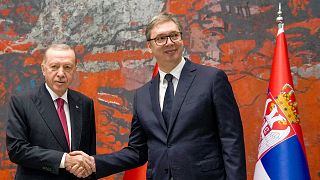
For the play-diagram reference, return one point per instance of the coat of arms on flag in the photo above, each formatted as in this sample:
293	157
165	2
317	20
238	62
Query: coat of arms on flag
280	112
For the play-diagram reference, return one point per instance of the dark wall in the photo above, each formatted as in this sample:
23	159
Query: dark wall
108	35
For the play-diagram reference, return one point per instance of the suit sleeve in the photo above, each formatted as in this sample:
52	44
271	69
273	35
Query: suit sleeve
134	155
230	128
20	150
92	146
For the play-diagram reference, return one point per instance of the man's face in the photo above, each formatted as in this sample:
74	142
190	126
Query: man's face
171	52
58	69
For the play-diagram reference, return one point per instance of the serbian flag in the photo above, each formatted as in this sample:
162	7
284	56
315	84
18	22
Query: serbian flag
139	173
282	154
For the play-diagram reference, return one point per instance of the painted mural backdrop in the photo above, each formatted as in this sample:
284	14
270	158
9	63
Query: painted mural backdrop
108	36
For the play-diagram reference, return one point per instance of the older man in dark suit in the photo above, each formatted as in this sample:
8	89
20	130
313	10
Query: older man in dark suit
48	123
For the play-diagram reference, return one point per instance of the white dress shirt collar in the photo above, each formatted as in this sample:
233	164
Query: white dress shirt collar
54	96
176	72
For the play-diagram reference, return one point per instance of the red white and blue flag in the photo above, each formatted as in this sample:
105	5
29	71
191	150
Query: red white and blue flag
282	154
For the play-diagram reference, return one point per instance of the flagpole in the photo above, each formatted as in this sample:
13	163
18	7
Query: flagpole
279	19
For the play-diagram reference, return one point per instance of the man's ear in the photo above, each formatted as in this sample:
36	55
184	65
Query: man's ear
148	46
42	69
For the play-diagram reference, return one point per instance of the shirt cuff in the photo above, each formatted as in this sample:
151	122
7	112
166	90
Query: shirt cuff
63	160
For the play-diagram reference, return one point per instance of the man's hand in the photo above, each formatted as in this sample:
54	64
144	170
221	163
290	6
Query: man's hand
80	164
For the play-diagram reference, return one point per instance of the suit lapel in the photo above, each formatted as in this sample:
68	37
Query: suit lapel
185	81
75	108
46	108
154	95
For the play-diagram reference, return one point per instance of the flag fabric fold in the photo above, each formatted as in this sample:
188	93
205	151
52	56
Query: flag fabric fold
281	152
139	173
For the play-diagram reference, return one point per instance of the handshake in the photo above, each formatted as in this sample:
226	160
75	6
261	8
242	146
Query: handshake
80	164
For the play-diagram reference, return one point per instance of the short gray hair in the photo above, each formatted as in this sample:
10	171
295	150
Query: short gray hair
61	47
162	17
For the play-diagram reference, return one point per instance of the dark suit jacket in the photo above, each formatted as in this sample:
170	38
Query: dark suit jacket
35	137
204	140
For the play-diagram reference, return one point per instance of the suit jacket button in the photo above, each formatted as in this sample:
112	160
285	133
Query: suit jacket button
169	145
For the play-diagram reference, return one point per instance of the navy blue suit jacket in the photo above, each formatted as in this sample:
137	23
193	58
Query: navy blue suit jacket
204	139
35	137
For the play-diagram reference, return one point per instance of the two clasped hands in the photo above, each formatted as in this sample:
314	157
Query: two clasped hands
80	164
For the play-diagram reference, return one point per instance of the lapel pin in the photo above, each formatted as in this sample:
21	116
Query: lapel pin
77	107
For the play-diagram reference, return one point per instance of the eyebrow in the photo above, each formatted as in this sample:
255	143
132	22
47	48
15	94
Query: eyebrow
167	34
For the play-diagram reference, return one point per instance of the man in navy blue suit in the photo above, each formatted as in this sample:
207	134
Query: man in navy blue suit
186	122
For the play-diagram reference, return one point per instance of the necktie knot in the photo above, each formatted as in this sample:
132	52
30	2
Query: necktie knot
168	77
60	102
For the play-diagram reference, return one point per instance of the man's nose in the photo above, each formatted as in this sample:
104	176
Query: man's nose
60	72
